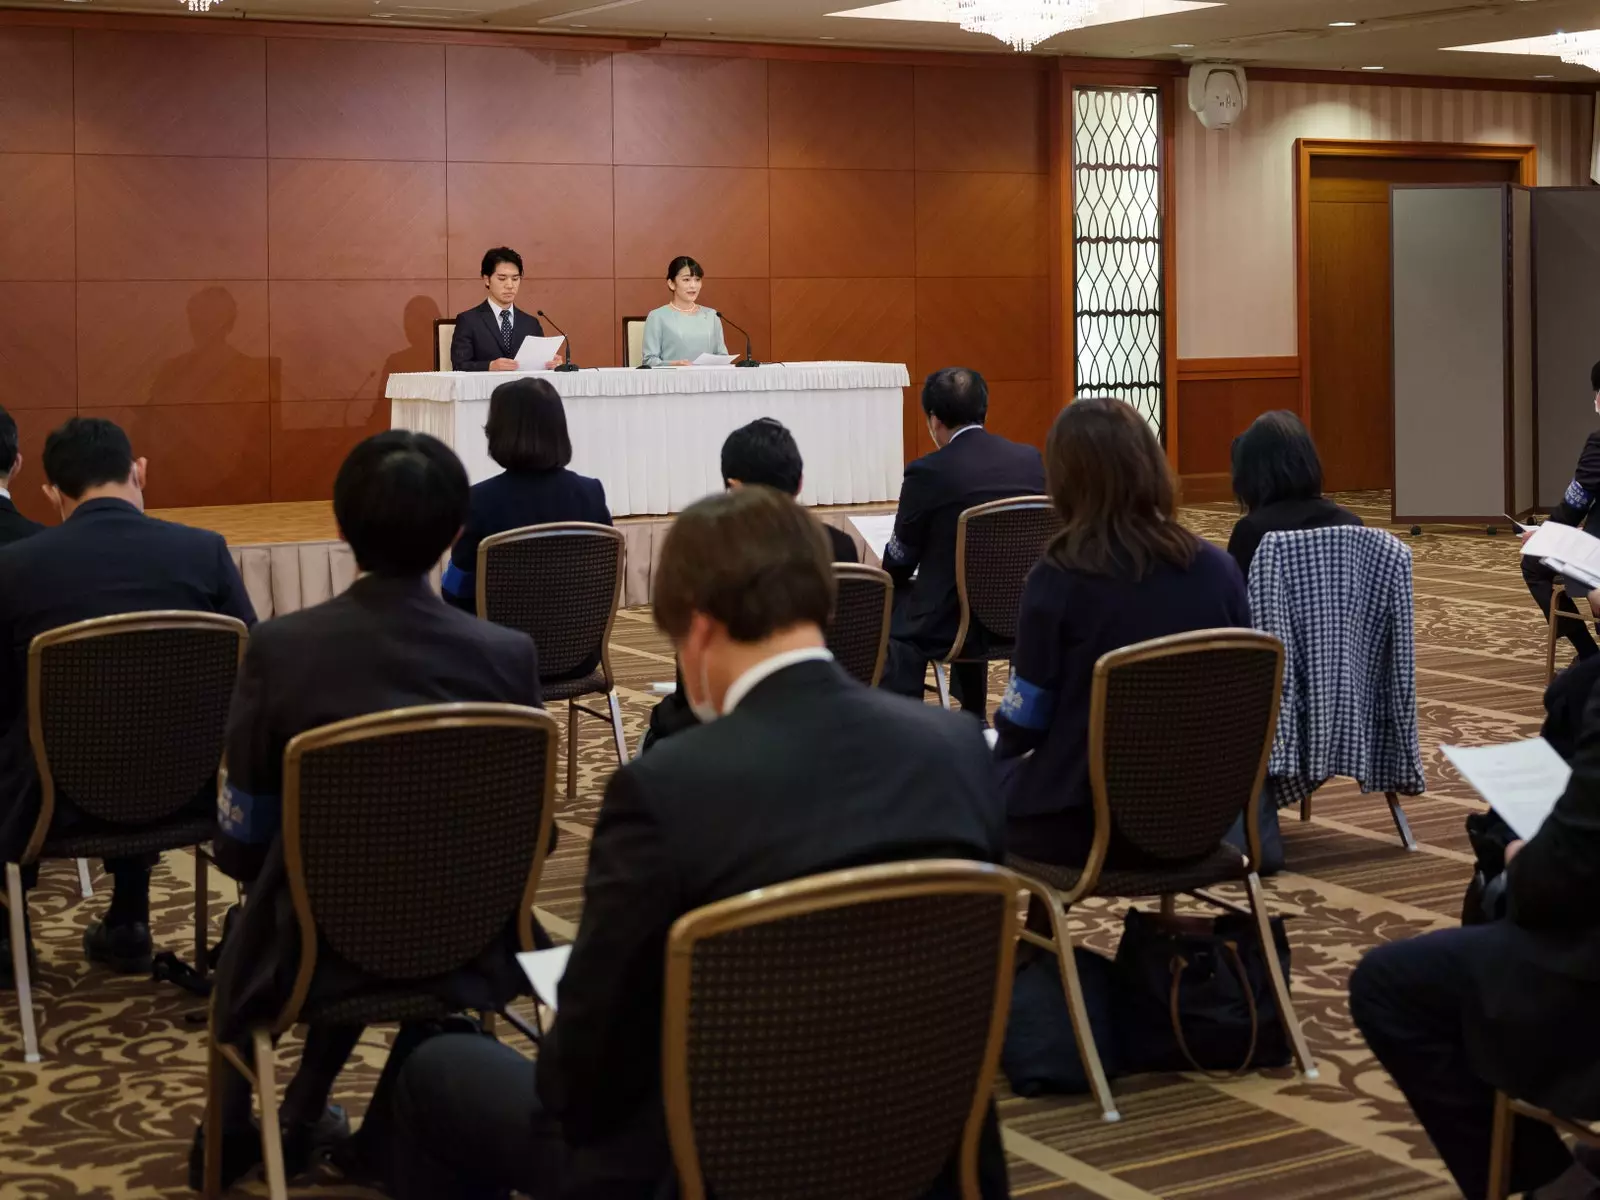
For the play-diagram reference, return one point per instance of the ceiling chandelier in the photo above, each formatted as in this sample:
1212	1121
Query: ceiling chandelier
1581	49
1023	24
200	5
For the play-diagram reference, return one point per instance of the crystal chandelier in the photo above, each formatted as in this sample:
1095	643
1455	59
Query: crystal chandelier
1023	24
201	5
1581	49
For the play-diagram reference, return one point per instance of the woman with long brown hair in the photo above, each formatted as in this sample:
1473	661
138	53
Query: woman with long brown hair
1122	570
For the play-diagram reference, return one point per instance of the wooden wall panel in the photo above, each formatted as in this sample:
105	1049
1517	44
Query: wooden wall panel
816	109
1219	398
511	105
865	320
170	218
689	111
33	426
38	366
981	224
843	223
340	339
361	100
716	215
999	327
558	217
971	119
199	453
36	217
357	220
36	90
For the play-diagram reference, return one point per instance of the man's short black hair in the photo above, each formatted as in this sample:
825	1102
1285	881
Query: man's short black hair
957	396
501	254
527	426
400	499
1275	460
763	452
8	442
1594	377
86	452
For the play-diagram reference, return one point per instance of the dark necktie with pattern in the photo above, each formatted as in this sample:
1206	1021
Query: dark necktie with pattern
505	331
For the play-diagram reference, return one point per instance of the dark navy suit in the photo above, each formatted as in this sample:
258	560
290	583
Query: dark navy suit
476	342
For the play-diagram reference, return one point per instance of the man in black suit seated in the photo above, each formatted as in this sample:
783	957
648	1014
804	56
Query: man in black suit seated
1456	1014
13	525
798	769
486	337
763	452
388	642
969	466
106	557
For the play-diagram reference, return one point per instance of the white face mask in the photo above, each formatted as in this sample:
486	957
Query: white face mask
704	711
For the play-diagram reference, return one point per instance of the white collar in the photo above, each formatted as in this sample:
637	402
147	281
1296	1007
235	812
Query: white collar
502	308
963	429
742	686
5	493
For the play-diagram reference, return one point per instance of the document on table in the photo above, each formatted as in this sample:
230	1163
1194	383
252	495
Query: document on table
535	352
544	969
875	530
714	360
1521	780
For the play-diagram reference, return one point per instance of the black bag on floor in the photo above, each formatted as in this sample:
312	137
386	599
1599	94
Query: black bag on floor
1193	993
1040	1054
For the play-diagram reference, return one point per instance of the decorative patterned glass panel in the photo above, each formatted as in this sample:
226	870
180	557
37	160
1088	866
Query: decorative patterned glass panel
1117	224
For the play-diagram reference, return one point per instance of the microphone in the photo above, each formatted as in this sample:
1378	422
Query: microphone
749	359
569	365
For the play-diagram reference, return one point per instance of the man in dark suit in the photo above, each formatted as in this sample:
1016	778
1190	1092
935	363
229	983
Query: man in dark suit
388	642
13	525
487	337
106	557
1456	1014
802	770
970	466
763	452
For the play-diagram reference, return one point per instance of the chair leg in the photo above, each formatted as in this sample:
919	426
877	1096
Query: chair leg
1280	985
16	902
1551	637
1077	1008
572	751
271	1134
202	909
216	1067
1400	822
615	704
1501	1144
1305	808
85	886
941	680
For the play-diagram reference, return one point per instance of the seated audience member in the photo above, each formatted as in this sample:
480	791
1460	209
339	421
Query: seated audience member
527	433
1457	1014
763	452
1277	478
797	769
969	466
13	525
1121	571
1566	699
1577	507
106	557
387	642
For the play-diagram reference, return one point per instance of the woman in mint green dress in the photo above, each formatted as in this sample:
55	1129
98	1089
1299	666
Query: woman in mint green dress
683	329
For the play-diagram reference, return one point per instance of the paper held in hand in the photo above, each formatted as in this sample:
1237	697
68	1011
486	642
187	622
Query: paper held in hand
714	360
1521	780
535	352
544	969
875	530
1568	551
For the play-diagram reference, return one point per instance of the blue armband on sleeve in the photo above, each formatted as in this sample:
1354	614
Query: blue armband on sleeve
456	581
246	818
1577	496
1027	705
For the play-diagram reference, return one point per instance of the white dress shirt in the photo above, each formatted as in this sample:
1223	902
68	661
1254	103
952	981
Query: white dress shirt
741	687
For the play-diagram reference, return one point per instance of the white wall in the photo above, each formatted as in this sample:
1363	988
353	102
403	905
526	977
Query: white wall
1236	271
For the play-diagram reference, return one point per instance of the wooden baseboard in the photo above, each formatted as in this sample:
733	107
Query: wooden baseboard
1205	489
1275	367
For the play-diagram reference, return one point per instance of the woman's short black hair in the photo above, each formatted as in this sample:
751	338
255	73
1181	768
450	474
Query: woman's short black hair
1275	460
527	426
684	262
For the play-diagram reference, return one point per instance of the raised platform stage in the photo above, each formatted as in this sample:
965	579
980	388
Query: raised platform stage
291	557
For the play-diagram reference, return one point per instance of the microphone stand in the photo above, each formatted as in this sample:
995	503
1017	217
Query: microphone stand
749	359
569	365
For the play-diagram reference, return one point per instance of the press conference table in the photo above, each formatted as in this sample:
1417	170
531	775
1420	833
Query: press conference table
654	438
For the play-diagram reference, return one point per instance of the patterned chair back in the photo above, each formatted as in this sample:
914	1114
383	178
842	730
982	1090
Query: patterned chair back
413	837
560	584
859	632
836	1038
128	714
997	544
1179	733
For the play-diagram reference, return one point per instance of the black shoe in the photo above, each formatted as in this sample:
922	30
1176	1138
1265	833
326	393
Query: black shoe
303	1146
126	949
307	1143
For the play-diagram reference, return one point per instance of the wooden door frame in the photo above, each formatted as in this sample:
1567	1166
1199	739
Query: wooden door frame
1305	149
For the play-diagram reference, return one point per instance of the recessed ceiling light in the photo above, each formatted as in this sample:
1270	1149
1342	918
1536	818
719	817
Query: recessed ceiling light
1183	45
1544	76
1372	68
1343	24
825	37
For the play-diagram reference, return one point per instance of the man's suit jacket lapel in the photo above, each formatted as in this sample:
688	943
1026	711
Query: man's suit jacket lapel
493	326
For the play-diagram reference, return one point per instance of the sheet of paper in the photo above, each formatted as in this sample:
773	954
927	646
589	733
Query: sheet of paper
992	736
1586	575
875	530
535	352
1521	780
714	360
544	969
1566	543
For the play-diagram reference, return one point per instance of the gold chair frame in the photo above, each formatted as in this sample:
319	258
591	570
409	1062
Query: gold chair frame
816	893
870	574
1501	1142
1580	601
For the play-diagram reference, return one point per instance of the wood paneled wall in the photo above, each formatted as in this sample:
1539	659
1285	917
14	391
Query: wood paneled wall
226	241
1220	397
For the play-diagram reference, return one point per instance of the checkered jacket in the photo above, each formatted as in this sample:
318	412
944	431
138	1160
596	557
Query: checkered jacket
1340	601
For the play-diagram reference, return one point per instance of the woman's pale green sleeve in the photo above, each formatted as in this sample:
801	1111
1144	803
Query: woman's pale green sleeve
652	339
722	346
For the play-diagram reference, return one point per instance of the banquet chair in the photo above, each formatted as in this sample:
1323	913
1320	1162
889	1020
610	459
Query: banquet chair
633	341
858	634
444	332
838	1035
413	840
1503	1139
127	716
1180	730
561	584
1580	602
997	544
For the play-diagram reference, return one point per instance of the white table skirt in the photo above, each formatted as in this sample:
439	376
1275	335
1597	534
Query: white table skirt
654	438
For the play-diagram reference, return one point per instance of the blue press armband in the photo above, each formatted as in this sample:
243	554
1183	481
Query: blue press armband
456	581
1027	705
246	818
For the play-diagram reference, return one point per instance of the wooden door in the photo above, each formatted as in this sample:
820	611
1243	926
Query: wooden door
1352	386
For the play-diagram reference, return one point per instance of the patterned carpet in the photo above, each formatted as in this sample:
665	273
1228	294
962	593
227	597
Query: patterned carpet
109	1113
